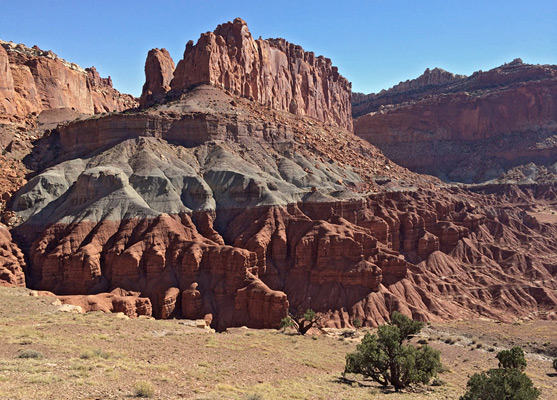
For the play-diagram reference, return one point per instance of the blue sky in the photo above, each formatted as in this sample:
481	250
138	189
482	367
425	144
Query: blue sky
375	43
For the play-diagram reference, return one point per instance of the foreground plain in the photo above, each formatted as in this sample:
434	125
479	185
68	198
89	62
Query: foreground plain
97	355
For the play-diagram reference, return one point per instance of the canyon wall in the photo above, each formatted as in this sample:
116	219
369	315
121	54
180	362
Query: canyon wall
469	129
33	80
276	73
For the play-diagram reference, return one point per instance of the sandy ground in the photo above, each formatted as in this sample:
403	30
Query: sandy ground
100	356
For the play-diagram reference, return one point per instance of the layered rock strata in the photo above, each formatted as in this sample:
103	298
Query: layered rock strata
273	72
33	80
469	129
238	219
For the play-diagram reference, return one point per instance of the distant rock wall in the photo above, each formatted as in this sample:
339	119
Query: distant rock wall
273	72
33	80
404	91
470	129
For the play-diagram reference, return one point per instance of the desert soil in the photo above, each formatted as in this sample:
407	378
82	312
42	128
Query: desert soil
102	356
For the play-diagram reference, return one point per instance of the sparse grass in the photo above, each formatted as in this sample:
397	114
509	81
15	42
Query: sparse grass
143	389
191	363
94	353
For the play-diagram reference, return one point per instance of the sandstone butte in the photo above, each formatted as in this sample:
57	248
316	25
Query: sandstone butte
273	72
467	129
220	200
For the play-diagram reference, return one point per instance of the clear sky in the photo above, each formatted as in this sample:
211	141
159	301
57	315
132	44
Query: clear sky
375	43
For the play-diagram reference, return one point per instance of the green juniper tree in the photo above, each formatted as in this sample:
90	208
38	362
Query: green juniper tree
507	382
384	358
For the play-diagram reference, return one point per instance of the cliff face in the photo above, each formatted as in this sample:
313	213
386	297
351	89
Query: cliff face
12	264
470	129
273	72
33	80
429	82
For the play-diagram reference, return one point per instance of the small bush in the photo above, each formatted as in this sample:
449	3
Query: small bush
95	353
254	396
501	383
555	364
143	389
357	323
513	358
30	354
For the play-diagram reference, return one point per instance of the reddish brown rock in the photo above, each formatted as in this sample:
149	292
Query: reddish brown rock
468	129
7	105
12	263
159	71
131	305
273	72
39	80
431	81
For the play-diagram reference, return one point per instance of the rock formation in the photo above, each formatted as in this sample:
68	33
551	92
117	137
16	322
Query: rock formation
273	72
159	71
12	263
33	80
468	129
234	204
429	82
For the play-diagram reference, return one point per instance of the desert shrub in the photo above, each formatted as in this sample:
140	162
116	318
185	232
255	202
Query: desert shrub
555	364
301	322
254	396
513	358
30	354
95	353
357	323
385	359
500	384
143	389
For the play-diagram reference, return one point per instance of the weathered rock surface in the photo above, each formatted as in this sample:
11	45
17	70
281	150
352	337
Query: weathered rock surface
130	304
273	72
234	206
234	214
159	71
469	129
33	80
431	81
12	263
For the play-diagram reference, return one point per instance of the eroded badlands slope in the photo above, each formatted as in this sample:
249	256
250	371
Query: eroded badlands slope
212	205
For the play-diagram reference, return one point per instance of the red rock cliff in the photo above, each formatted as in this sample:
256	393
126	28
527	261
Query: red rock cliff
470	129
273	72
33	80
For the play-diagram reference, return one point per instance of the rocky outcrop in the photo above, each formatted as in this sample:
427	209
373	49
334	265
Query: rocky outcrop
273	72
159	71
431	81
12	263
475	128
34	80
127	303
6	84
238	220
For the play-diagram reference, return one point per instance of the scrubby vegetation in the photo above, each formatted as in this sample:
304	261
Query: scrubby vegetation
302	322
385	359
507	382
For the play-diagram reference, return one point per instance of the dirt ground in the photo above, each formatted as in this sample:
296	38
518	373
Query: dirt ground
100	356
